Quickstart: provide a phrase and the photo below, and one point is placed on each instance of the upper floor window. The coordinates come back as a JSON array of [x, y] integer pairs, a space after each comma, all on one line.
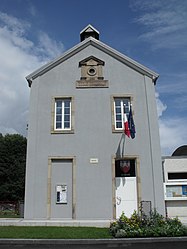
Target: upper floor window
[[121, 106], [62, 115]]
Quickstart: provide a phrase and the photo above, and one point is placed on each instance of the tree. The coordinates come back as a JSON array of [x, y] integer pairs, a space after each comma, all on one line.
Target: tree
[[12, 167]]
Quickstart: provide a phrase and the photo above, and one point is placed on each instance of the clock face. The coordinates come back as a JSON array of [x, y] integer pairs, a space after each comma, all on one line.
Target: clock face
[[92, 71]]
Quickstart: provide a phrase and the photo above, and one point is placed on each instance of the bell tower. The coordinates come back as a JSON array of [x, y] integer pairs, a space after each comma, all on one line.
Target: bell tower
[[89, 31]]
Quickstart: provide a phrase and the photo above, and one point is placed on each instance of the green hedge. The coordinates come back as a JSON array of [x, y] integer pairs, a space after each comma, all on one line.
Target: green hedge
[[141, 225]]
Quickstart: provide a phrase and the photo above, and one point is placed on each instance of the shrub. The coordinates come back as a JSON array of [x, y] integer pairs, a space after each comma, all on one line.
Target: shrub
[[153, 225]]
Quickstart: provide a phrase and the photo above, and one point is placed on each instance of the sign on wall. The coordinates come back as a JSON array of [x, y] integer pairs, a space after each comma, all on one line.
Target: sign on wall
[[125, 168], [61, 194]]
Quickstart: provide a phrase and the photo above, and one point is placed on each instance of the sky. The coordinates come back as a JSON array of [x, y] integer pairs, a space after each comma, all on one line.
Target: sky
[[151, 32]]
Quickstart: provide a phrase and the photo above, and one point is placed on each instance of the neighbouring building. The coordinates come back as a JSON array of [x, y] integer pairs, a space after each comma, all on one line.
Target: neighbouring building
[[80, 164], [175, 183]]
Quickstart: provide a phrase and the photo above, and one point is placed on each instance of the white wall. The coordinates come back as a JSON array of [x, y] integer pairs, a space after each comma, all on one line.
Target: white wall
[[176, 206]]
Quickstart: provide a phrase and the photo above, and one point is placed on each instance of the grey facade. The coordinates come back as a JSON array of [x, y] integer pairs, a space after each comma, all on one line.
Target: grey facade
[[80, 160]]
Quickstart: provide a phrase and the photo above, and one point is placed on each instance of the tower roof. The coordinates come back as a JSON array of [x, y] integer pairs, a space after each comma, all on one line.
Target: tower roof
[[88, 31]]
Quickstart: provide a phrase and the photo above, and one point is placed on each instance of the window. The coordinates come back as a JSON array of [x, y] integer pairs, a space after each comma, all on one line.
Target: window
[[121, 106], [177, 176], [62, 115]]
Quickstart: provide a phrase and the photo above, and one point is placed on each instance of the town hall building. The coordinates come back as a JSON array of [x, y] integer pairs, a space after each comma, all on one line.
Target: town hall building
[[80, 163]]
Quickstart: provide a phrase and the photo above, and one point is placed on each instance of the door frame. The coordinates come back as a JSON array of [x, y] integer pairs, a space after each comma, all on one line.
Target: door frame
[[138, 180], [49, 182]]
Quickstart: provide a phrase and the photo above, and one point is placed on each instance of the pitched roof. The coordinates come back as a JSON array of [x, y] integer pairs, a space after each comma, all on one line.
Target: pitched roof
[[89, 28], [101, 46]]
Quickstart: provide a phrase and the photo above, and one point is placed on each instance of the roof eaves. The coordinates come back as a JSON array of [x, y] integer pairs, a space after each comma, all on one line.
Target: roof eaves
[[126, 60], [57, 61]]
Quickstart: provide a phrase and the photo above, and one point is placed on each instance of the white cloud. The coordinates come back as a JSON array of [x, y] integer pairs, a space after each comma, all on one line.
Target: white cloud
[[174, 88], [19, 57], [13, 24], [161, 107], [173, 132], [146, 4], [32, 10], [164, 22], [49, 47], [173, 83]]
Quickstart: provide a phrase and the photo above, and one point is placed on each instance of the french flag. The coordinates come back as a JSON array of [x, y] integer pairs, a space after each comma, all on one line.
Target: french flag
[[126, 126]]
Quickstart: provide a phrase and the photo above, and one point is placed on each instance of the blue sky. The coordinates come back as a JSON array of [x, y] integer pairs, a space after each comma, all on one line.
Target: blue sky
[[152, 32]]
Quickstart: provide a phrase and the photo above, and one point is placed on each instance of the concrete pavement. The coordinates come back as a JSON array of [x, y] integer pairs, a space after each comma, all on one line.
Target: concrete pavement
[[75, 223]]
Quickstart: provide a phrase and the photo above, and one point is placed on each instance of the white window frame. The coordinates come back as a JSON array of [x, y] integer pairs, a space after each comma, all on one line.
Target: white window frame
[[63, 128], [122, 105]]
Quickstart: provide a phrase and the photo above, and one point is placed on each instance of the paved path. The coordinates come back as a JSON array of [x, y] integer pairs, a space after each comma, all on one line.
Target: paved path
[[85, 223], [88, 223]]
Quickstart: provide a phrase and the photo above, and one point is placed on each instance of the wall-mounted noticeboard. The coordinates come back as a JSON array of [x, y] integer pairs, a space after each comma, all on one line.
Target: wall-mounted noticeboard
[[175, 191], [61, 194]]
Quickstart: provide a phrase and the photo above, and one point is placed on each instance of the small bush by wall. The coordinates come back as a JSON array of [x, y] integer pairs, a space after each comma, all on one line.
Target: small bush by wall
[[141, 225]]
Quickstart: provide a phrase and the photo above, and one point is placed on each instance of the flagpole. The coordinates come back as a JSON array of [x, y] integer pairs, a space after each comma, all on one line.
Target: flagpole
[[123, 146]]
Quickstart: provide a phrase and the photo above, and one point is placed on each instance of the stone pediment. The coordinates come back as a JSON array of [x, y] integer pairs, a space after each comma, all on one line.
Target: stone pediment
[[91, 73], [91, 60]]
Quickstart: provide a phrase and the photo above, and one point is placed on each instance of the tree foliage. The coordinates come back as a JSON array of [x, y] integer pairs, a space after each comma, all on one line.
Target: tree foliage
[[12, 167]]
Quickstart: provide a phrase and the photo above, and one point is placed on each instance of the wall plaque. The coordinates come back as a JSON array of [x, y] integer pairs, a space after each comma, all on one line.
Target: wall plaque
[[94, 160]]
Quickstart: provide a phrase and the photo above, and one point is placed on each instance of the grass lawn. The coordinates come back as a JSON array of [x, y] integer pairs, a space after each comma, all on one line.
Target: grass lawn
[[54, 232], [9, 216]]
